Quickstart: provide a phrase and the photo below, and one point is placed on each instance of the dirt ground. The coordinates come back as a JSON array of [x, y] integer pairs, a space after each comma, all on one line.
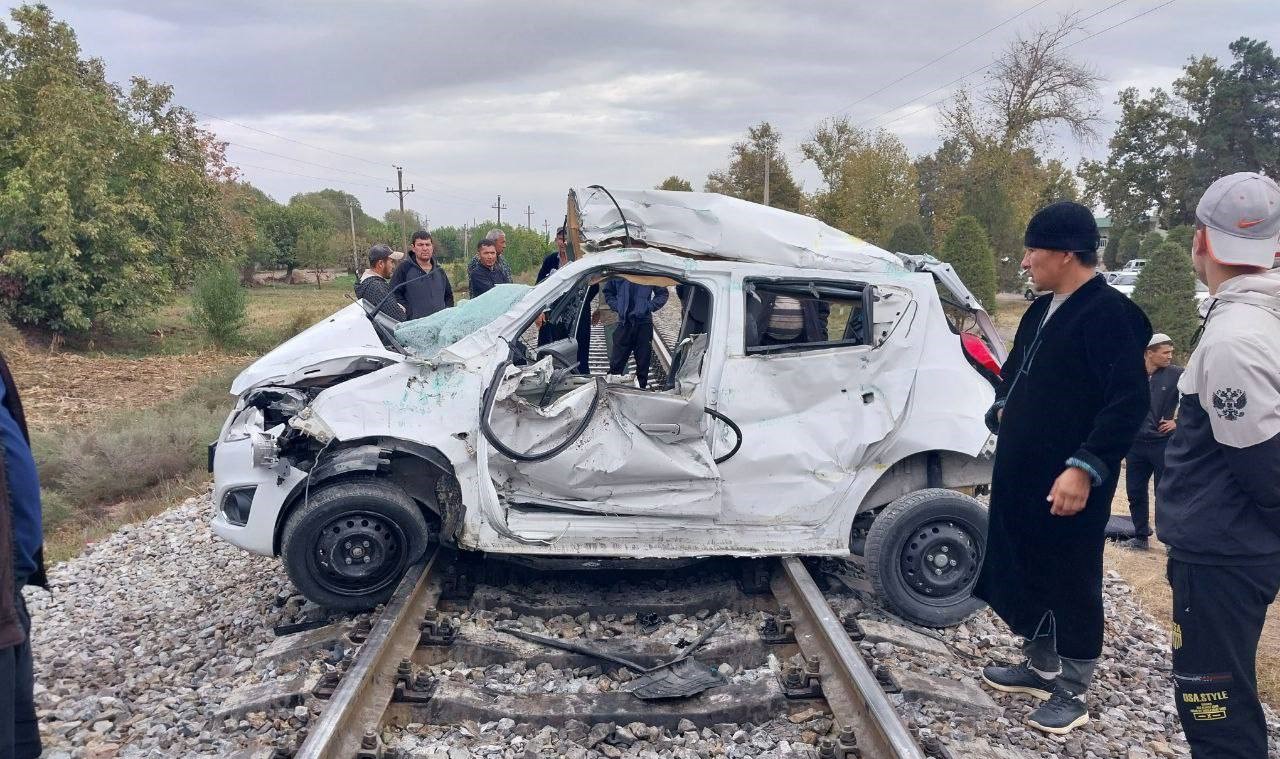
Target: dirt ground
[[61, 389]]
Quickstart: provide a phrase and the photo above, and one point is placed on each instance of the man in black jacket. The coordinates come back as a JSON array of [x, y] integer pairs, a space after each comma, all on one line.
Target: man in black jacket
[[1146, 458], [373, 287], [1072, 396], [1218, 506], [21, 563], [421, 287], [484, 272]]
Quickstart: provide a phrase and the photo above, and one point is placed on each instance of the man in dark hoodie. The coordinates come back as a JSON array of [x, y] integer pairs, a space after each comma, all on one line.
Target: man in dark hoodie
[[21, 563], [373, 287], [483, 273], [1218, 506], [421, 287]]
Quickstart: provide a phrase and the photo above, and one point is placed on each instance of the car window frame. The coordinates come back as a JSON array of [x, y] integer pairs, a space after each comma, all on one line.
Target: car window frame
[[865, 291]]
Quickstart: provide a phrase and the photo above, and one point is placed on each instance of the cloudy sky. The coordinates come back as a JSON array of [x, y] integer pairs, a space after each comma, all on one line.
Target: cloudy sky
[[480, 98]]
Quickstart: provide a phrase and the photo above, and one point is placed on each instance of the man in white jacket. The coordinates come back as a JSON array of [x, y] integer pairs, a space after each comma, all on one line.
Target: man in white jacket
[[1218, 505]]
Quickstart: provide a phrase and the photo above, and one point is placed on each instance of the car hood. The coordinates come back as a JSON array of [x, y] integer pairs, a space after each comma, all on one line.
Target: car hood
[[336, 345]]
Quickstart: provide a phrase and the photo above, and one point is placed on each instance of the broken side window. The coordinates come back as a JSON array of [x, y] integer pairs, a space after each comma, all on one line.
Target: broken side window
[[794, 315]]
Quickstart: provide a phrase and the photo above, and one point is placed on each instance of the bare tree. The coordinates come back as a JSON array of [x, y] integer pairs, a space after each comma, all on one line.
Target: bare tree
[[1033, 87]]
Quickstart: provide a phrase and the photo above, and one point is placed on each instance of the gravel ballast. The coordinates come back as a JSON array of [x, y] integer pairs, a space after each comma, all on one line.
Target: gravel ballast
[[148, 633]]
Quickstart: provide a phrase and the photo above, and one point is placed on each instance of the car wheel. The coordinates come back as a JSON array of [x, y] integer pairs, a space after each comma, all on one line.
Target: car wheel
[[348, 546], [923, 553], [1029, 295]]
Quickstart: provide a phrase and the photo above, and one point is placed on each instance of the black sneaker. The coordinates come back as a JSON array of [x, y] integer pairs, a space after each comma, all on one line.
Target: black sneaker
[[1136, 544], [1061, 714], [1019, 679]]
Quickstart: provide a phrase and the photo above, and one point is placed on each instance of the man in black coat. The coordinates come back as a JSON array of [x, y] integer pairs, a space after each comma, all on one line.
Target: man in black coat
[[1073, 394], [420, 286]]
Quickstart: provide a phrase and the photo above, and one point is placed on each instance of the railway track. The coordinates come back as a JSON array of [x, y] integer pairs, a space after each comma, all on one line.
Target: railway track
[[782, 651]]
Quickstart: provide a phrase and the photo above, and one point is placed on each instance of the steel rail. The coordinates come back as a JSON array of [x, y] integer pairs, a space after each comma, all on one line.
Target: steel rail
[[366, 689], [848, 685]]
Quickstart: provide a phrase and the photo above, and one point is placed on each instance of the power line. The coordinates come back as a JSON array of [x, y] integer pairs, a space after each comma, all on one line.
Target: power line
[[239, 165], [381, 164], [989, 65], [962, 45], [299, 160]]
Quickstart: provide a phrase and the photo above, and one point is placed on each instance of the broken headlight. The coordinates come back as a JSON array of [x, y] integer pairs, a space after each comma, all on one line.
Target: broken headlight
[[245, 424]]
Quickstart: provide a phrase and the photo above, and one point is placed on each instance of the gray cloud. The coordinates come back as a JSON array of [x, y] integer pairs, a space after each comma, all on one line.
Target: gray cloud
[[525, 99]]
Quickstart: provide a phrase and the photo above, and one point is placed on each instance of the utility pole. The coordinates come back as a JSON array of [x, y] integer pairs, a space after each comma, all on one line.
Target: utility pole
[[400, 190], [466, 240], [767, 155], [528, 217], [546, 229], [500, 208], [355, 256], [426, 222]]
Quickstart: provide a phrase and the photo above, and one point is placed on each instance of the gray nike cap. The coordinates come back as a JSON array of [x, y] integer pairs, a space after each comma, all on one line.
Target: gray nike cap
[[1242, 215]]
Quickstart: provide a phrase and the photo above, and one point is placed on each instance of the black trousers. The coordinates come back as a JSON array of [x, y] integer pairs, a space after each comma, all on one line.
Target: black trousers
[[632, 338], [19, 732], [1218, 612], [1145, 460]]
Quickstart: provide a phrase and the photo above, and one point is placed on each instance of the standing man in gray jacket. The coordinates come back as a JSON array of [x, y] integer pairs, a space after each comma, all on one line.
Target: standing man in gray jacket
[[1145, 459], [1218, 506], [420, 285]]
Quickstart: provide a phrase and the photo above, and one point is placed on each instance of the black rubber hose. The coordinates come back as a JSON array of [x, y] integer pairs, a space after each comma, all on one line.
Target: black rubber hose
[[486, 404], [736, 431]]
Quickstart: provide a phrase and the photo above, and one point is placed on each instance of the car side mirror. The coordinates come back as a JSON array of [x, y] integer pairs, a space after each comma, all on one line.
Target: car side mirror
[[564, 353]]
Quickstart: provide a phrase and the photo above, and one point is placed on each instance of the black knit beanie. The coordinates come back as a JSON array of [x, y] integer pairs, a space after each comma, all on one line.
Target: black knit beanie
[[1062, 226]]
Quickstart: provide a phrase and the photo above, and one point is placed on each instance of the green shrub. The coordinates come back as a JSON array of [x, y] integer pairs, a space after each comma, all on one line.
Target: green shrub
[[85, 470], [1166, 290], [966, 248], [1150, 241], [909, 238], [218, 304], [1181, 236], [1130, 242]]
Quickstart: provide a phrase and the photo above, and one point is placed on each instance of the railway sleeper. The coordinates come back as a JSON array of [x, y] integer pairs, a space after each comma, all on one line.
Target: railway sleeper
[[453, 702]]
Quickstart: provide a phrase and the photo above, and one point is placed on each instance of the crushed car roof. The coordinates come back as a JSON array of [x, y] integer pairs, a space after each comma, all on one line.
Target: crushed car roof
[[705, 224]]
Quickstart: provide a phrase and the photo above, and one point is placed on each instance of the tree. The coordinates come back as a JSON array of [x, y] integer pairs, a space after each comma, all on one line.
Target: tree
[[338, 206], [1150, 241], [744, 176], [1166, 290], [870, 180], [1181, 236], [1110, 254], [674, 182], [909, 238], [318, 249], [1169, 146], [967, 250], [1130, 244], [108, 195], [283, 226]]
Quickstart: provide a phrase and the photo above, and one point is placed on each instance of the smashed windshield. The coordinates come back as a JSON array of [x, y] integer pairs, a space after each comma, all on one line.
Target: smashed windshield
[[427, 336]]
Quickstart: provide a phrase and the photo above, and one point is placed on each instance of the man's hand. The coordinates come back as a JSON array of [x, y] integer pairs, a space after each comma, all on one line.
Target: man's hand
[[1069, 493], [1167, 426], [541, 320], [1000, 415], [596, 316]]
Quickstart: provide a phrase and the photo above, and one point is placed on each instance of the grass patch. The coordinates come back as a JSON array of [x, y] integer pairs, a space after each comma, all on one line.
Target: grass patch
[[94, 477]]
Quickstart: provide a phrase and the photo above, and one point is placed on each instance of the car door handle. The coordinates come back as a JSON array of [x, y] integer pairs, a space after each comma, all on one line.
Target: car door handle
[[661, 429]]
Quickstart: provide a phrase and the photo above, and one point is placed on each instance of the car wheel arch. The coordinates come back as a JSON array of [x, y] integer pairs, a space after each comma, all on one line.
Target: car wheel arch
[[399, 461], [917, 470]]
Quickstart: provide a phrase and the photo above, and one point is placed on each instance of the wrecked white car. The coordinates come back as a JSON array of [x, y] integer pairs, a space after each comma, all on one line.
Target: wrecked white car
[[359, 441]]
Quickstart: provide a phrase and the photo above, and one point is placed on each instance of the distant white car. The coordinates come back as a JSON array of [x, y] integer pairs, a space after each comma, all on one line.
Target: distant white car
[[1124, 281], [1135, 265]]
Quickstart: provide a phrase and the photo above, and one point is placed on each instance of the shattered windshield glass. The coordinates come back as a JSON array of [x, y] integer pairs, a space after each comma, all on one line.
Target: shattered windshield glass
[[428, 335]]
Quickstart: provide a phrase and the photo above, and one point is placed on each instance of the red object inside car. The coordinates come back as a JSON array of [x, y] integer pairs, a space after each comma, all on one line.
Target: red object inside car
[[979, 352]]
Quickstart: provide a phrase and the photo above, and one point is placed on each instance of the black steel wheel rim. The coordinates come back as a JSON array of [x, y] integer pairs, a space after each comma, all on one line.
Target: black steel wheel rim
[[940, 560], [358, 552]]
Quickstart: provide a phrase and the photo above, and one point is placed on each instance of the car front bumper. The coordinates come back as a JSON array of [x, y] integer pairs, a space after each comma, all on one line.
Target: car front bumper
[[234, 470]]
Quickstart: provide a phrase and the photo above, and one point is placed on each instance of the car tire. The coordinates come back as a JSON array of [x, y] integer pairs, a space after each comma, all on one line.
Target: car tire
[[1029, 295], [908, 541], [349, 544]]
